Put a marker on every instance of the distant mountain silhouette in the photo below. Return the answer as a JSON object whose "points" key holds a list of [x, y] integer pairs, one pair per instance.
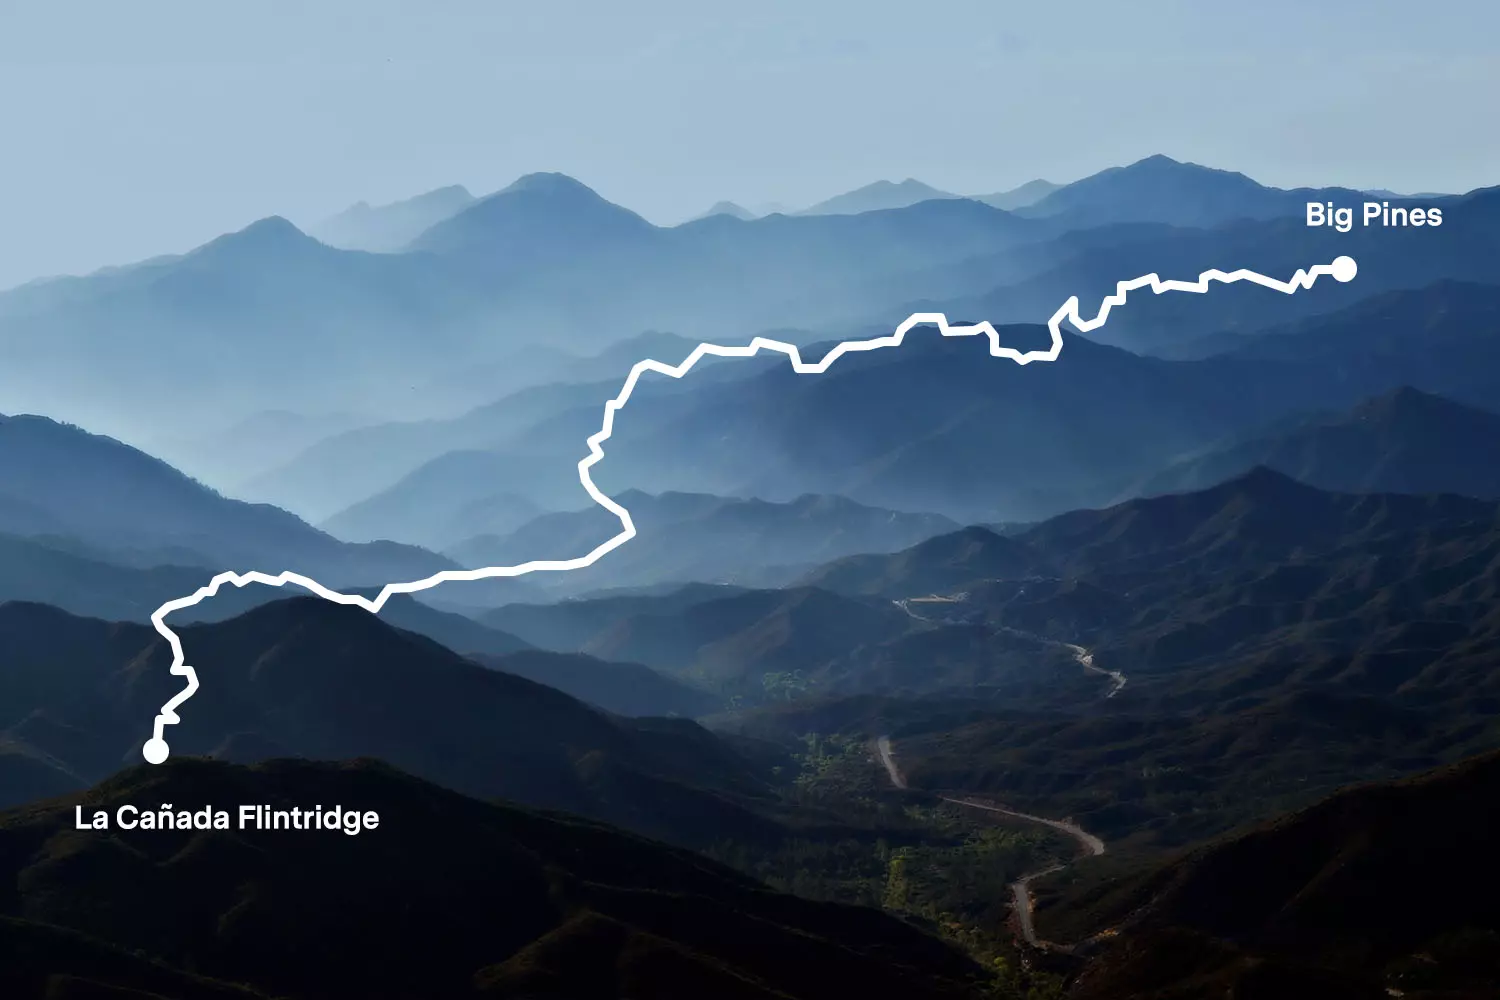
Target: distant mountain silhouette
{"points": [[1161, 189], [1379, 889], [546, 260], [343, 470], [116, 499], [450, 499], [283, 678], [1019, 197], [1404, 441], [540, 218], [725, 208], [878, 196], [247, 448], [388, 228], [213, 329], [701, 537]]}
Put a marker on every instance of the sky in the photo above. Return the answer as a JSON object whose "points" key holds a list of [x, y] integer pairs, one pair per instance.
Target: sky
{"points": [[134, 129]]}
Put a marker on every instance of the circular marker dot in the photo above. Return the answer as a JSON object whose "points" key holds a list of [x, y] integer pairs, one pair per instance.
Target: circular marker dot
{"points": [[1344, 269], [155, 751]]}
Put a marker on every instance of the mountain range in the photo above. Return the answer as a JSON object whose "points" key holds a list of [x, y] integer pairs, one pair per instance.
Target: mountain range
{"points": [[700, 537], [547, 258], [768, 432]]}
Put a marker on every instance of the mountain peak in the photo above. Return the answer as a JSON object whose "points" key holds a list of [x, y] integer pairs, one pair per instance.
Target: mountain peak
{"points": [[727, 208], [548, 183], [273, 233], [271, 228], [539, 217]]}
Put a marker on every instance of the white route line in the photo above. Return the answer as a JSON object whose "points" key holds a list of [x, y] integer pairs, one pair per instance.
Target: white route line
{"points": [[156, 750]]}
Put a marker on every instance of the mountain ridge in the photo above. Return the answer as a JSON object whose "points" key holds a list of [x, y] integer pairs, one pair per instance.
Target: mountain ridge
{"points": [[1401, 441], [877, 196]]}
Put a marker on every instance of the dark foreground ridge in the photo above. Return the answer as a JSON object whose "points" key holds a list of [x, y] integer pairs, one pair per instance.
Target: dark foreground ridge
{"points": [[447, 897], [1391, 886]]}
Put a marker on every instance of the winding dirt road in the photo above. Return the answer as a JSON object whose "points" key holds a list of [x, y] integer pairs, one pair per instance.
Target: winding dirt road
{"points": [[1086, 661], [1020, 889], [1083, 657]]}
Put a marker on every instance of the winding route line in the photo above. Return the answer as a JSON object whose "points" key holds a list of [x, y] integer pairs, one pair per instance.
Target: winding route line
{"points": [[156, 749]]}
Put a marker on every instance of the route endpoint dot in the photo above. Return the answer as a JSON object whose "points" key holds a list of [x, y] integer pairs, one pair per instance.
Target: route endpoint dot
{"points": [[1344, 268], [155, 751]]}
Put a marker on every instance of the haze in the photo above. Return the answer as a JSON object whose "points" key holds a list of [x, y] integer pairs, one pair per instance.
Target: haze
{"points": [[138, 129]]}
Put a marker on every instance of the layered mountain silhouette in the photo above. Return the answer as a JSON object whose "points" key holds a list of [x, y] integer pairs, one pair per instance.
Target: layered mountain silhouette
{"points": [[1019, 197], [878, 196], [410, 906], [62, 572], [387, 228], [683, 537], [832, 434], [545, 259], [1404, 441], [974, 438], [344, 469], [56, 479], [241, 450], [1178, 406], [211, 331], [548, 259]]}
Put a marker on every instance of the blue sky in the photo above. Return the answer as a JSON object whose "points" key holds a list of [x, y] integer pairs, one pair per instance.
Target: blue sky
{"points": [[130, 129]]}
